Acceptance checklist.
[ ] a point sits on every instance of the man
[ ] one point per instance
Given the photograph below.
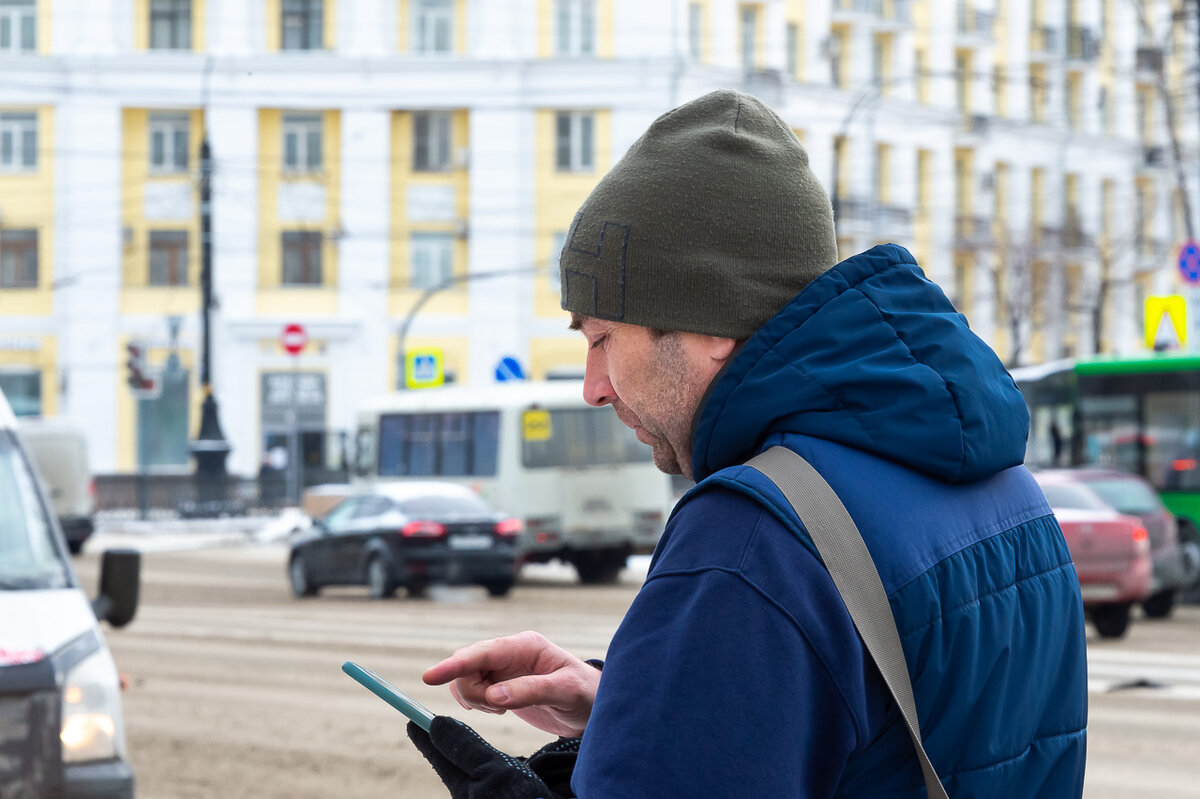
(701, 272)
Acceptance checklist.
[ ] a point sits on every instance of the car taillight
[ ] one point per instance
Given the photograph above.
(1141, 539)
(423, 530)
(509, 528)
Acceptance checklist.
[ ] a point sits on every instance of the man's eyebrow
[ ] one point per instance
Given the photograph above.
(576, 322)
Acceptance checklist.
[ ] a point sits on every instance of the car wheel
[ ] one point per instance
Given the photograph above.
(498, 588)
(1111, 621)
(379, 580)
(302, 586)
(1160, 605)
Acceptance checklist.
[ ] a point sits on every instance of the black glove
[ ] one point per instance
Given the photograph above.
(474, 769)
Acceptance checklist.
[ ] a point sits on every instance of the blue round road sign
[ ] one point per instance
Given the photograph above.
(1189, 262)
(509, 368)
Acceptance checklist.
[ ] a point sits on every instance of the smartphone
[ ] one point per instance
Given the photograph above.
(390, 694)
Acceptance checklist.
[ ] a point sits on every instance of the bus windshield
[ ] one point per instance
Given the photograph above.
(28, 557)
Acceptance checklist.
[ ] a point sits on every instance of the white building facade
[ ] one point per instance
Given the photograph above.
(365, 152)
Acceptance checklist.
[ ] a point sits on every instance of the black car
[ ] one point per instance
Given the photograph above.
(412, 534)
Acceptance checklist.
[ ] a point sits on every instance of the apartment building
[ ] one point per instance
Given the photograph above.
(398, 175)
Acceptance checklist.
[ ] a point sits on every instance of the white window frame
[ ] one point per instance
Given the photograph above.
(575, 27)
(431, 259)
(302, 128)
(16, 152)
(15, 20)
(176, 15)
(433, 135)
(578, 139)
(169, 259)
(432, 26)
(309, 246)
(311, 28)
(175, 133)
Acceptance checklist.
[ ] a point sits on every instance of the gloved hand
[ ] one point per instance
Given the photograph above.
(474, 769)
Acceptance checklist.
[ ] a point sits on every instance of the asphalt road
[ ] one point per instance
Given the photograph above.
(235, 688)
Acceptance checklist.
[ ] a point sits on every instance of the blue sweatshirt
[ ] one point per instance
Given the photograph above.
(737, 671)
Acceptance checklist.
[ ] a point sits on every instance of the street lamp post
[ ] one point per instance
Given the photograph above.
(210, 447)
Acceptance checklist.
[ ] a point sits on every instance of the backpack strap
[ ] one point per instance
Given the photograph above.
(845, 554)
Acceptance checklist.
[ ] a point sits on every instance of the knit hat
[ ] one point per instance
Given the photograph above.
(710, 223)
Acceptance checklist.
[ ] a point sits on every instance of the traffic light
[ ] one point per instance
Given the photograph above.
(137, 378)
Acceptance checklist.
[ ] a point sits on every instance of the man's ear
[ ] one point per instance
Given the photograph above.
(718, 348)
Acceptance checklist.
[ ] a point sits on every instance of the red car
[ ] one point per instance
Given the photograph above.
(1111, 551)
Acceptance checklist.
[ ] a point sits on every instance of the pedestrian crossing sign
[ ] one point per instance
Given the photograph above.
(1159, 312)
(424, 368)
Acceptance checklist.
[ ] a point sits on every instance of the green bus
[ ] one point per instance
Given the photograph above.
(1140, 414)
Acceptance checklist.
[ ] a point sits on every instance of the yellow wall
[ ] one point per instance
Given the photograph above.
(759, 33)
(923, 228)
(548, 354)
(137, 297)
(603, 23)
(401, 298)
(558, 195)
(706, 30)
(141, 25)
(274, 298)
(27, 201)
(275, 23)
(42, 358)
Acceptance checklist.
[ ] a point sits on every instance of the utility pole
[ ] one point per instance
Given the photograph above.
(210, 447)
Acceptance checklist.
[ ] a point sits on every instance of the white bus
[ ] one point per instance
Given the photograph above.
(582, 483)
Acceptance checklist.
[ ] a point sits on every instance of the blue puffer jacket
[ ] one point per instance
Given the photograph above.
(737, 671)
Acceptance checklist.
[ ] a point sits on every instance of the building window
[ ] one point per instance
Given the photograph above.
(170, 24)
(574, 141)
(302, 24)
(169, 142)
(301, 258)
(168, 258)
(23, 390)
(18, 26)
(431, 261)
(18, 259)
(433, 26)
(695, 30)
(575, 27)
(302, 143)
(749, 31)
(18, 142)
(431, 141)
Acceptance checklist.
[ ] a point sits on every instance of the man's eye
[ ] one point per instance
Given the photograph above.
(596, 342)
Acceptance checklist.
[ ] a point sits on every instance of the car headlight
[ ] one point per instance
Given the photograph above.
(92, 728)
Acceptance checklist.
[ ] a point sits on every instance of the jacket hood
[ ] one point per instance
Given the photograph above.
(871, 355)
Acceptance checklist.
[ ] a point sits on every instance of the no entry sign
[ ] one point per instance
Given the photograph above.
(293, 338)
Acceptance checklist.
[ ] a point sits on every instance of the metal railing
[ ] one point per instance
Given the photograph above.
(1082, 44)
(1044, 40)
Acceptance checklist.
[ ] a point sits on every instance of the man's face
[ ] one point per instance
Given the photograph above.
(654, 383)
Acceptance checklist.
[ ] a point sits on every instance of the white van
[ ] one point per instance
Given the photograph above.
(61, 730)
(58, 449)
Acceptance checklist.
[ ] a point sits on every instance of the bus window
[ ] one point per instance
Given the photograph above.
(1174, 417)
(584, 437)
(438, 444)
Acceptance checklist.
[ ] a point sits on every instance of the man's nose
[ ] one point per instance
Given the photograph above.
(597, 388)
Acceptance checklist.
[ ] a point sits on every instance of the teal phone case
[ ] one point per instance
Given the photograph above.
(389, 693)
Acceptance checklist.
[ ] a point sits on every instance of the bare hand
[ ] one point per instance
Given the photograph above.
(541, 683)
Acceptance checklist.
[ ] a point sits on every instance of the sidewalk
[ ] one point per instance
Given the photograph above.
(161, 535)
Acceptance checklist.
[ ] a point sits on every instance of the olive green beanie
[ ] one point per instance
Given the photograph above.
(711, 223)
